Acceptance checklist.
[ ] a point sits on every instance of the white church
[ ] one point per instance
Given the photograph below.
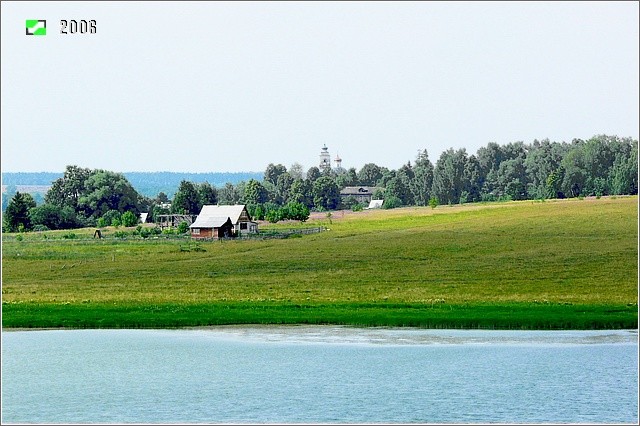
(325, 161)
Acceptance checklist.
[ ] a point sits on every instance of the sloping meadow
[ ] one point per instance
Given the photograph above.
(552, 264)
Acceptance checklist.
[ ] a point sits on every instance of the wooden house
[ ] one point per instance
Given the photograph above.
(223, 222)
(362, 194)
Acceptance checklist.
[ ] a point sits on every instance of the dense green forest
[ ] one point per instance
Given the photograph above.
(602, 165)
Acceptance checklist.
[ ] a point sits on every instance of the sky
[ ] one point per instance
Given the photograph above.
(233, 86)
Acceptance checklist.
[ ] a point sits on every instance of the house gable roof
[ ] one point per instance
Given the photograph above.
(215, 216)
(210, 222)
(358, 190)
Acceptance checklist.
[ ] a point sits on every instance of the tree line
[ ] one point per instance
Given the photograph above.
(602, 165)
(146, 183)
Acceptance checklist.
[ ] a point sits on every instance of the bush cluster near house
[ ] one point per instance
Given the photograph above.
(602, 165)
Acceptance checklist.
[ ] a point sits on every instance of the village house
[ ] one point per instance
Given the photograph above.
(362, 194)
(223, 222)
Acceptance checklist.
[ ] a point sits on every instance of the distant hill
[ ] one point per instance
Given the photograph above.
(151, 183)
(146, 183)
(37, 178)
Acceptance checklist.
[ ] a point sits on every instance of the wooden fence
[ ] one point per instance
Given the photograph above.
(281, 233)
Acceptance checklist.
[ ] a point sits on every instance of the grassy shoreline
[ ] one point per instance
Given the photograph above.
(514, 316)
(569, 264)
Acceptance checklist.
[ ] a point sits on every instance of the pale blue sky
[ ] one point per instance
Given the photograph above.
(216, 86)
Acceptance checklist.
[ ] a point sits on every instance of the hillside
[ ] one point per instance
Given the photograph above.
(553, 264)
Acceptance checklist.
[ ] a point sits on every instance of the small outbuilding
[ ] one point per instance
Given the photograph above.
(375, 204)
(223, 222)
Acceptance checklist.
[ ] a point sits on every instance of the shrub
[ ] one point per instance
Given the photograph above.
(129, 219)
(40, 228)
(111, 217)
(69, 236)
(464, 197)
(433, 202)
(183, 227)
(392, 202)
(487, 197)
(296, 211)
(256, 211)
(350, 202)
(272, 216)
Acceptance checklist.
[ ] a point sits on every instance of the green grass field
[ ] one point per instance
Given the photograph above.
(559, 264)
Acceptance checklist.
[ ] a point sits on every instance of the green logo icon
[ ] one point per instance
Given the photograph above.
(36, 27)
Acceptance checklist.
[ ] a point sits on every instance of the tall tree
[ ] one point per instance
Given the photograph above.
(254, 192)
(473, 180)
(313, 174)
(542, 160)
(207, 195)
(448, 176)
(162, 197)
(104, 191)
(229, 194)
(490, 157)
(422, 181)
(326, 194)
(300, 192)
(598, 158)
(348, 178)
(405, 175)
(623, 175)
(273, 171)
(270, 191)
(512, 178)
(296, 171)
(575, 173)
(513, 150)
(54, 217)
(67, 190)
(387, 175)
(369, 174)
(553, 188)
(187, 199)
(397, 187)
(283, 187)
(16, 216)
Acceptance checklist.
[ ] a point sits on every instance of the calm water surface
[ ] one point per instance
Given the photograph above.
(319, 375)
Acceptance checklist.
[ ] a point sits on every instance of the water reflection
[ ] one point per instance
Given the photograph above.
(414, 336)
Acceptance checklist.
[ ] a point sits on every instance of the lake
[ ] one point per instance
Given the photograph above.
(319, 374)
